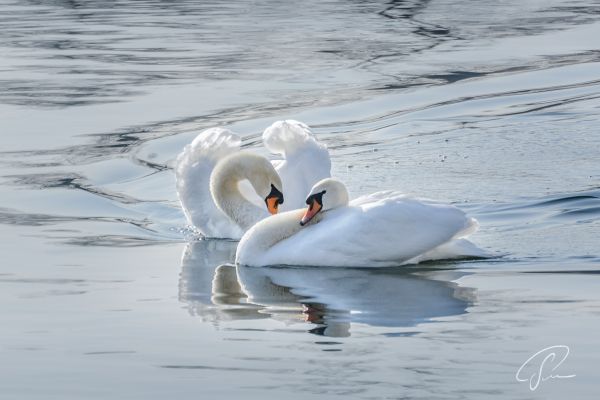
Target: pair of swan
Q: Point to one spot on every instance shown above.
(378, 230)
(223, 189)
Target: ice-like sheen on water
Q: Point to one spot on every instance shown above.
(493, 107)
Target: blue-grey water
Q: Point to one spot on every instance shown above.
(493, 106)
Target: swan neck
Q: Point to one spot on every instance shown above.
(229, 199)
(266, 234)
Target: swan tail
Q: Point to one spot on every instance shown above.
(456, 248)
(471, 226)
(452, 250)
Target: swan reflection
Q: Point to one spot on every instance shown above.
(209, 286)
(331, 299)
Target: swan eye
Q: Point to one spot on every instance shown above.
(318, 197)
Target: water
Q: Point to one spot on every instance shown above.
(492, 106)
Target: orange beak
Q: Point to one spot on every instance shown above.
(272, 204)
(273, 200)
(313, 208)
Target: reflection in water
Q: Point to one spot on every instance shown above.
(330, 298)
(490, 105)
(209, 286)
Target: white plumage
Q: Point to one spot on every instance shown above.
(378, 230)
(304, 162)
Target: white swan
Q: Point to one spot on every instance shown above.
(305, 161)
(378, 230)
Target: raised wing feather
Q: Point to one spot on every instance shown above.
(306, 161)
(192, 173)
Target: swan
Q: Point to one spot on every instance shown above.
(378, 230)
(304, 162)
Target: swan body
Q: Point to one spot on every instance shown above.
(378, 230)
(304, 162)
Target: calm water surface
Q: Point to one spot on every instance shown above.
(492, 106)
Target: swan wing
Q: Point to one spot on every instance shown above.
(305, 160)
(193, 168)
(382, 229)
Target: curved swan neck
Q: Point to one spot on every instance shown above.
(225, 191)
(266, 234)
(228, 199)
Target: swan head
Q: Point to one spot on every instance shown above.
(327, 194)
(265, 180)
